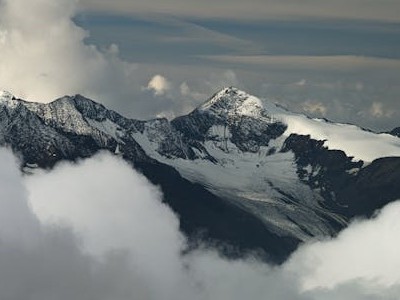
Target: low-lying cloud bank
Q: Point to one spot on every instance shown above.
(98, 230)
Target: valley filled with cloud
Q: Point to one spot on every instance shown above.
(97, 229)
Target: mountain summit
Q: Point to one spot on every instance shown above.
(232, 101)
(238, 169)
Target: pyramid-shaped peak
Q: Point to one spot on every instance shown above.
(230, 96)
(6, 95)
(229, 91)
(7, 99)
(233, 101)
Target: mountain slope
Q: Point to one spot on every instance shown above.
(395, 132)
(237, 169)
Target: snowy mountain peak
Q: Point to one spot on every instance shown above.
(235, 164)
(395, 132)
(8, 99)
(6, 95)
(234, 102)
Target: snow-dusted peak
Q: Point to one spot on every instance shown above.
(235, 102)
(6, 95)
(8, 99)
(395, 132)
(354, 141)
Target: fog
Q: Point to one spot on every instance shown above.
(98, 230)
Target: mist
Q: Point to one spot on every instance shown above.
(98, 230)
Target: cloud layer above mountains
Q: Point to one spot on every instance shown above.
(43, 55)
(66, 235)
(349, 68)
(255, 9)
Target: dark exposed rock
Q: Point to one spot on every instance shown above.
(76, 127)
(395, 132)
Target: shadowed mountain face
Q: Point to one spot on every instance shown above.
(396, 132)
(240, 172)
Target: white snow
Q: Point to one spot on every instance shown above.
(255, 180)
(32, 166)
(5, 95)
(361, 144)
(6, 98)
(63, 113)
(354, 141)
(251, 179)
(106, 126)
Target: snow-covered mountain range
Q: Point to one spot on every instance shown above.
(237, 169)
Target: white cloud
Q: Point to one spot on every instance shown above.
(116, 209)
(159, 85)
(301, 82)
(184, 88)
(367, 252)
(17, 224)
(38, 261)
(182, 98)
(186, 91)
(315, 107)
(377, 110)
(129, 246)
(43, 56)
(223, 79)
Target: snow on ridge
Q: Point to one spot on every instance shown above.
(6, 95)
(354, 141)
(6, 98)
(234, 102)
(214, 99)
(108, 127)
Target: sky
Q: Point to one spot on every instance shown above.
(156, 58)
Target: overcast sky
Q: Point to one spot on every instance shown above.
(336, 59)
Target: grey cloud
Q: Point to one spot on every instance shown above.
(346, 86)
(44, 262)
(47, 41)
(314, 107)
(108, 236)
(343, 63)
(74, 64)
(57, 47)
(255, 9)
(338, 62)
